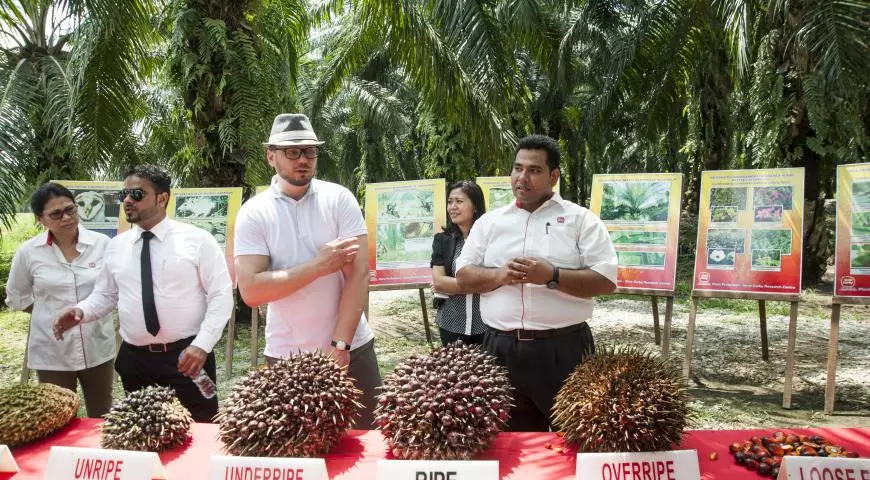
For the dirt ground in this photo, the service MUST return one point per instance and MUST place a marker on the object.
(731, 387)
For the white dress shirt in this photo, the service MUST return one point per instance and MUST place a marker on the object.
(290, 232)
(192, 288)
(566, 234)
(42, 277)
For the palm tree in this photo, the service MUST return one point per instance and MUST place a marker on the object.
(68, 84)
(233, 64)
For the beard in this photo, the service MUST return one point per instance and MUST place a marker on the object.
(296, 182)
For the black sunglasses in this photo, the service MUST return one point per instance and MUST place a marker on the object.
(295, 152)
(69, 211)
(137, 194)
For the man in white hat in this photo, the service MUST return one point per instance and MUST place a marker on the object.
(301, 247)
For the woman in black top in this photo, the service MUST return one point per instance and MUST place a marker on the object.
(458, 315)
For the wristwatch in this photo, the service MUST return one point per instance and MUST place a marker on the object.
(554, 283)
(340, 345)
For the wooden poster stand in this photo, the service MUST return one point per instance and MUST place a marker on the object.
(663, 340)
(421, 287)
(830, 387)
(762, 314)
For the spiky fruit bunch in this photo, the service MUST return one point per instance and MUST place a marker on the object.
(298, 407)
(148, 420)
(448, 405)
(622, 400)
(31, 411)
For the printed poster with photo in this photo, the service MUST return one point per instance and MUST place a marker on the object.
(852, 251)
(497, 191)
(402, 219)
(750, 226)
(98, 204)
(211, 209)
(642, 214)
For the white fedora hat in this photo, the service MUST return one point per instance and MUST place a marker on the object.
(290, 129)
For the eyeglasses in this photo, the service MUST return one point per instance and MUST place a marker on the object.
(69, 211)
(137, 194)
(295, 152)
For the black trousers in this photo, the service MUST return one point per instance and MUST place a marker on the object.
(448, 337)
(536, 369)
(140, 368)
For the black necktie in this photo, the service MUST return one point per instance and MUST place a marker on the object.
(148, 306)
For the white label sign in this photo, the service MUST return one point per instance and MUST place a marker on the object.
(69, 463)
(824, 468)
(437, 470)
(7, 463)
(262, 468)
(673, 465)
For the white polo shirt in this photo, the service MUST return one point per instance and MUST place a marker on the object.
(566, 234)
(290, 232)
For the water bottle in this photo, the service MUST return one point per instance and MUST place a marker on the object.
(203, 382)
(205, 385)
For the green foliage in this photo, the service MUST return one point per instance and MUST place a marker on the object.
(861, 223)
(728, 197)
(22, 228)
(860, 256)
(771, 240)
(625, 237)
(635, 201)
(644, 259)
(729, 238)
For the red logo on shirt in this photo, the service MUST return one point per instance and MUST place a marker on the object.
(560, 219)
(92, 264)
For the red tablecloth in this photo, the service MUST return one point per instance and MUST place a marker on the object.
(520, 455)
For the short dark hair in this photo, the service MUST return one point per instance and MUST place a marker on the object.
(160, 180)
(475, 194)
(46, 192)
(545, 143)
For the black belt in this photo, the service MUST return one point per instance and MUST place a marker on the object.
(528, 335)
(162, 347)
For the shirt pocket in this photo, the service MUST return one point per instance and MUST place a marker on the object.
(561, 245)
(179, 275)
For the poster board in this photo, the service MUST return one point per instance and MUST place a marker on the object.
(497, 191)
(852, 250)
(260, 189)
(642, 214)
(402, 219)
(99, 207)
(211, 209)
(750, 231)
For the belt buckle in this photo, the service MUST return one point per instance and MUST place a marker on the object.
(159, 349)
(521, 338)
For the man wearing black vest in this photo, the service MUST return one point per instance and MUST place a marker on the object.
(170, 283)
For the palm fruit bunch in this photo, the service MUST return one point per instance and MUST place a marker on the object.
(30, 411)
(764, 454)
(448, 405)
(299, 406)
(622, 400)
(148, 420)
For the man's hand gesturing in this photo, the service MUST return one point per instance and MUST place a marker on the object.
(332, 256)
(66, 319)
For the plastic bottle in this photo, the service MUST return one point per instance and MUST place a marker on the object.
(206, 386)
(204, 383)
